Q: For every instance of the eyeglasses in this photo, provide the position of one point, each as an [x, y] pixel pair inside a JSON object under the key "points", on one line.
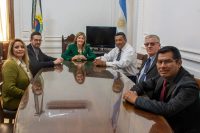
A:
{"points": [[166, 62], [150, 43], [37, 40]]}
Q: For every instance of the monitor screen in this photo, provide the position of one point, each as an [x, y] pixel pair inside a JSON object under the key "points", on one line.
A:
{"points": [[99, 36]]}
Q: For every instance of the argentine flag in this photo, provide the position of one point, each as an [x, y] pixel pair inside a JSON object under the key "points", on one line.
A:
{"points": [[37, 21], [122, 19]]}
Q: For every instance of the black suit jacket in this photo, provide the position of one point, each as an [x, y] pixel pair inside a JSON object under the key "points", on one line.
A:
{"points": [[181, 107], [44, 60]]}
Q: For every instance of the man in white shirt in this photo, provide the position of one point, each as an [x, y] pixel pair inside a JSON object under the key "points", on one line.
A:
{"points": [[121, 57]]}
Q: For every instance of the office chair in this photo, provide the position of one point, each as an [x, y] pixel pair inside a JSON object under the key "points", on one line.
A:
{"points": [[198, 82], [141, 58], [6, 128], [6, 113], [67, 41]]}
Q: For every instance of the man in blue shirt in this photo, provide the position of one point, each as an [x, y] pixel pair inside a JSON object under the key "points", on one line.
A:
{"points": [[148, 69]]}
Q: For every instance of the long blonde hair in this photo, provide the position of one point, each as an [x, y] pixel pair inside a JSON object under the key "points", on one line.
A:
{"points": [[11, 55]]}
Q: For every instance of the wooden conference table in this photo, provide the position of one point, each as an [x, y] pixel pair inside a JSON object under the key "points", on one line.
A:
{"points": [[57, 103]]}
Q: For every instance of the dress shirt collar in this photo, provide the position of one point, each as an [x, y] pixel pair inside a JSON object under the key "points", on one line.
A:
{"points": [[124, 47], [152, 59], [35, 49]]}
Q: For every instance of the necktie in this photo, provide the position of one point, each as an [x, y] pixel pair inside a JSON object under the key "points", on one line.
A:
{"points": [[147, 65], [162, 94], [119, 55], [37, 53]]}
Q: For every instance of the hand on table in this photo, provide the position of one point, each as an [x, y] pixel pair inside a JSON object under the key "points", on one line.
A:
{"points": [[130, 96]]}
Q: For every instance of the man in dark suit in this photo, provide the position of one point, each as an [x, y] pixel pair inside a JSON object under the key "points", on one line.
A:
{"points": [[37, 58], [148, 69], [175, 93]]}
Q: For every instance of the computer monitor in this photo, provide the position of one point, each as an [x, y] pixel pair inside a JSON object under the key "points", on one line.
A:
{"points": [[101, 36]]}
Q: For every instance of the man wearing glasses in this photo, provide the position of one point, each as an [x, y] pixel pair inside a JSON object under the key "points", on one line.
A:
{"points": [[37, 58], [148, 69], [175, 93]]}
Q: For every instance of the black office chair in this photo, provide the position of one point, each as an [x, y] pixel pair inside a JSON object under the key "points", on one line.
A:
{"points": [[6, 127], [7, 114], [10, 115]]}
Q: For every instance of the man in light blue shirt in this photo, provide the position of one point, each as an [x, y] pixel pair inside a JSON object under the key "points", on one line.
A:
{"points": [[148, 69]]}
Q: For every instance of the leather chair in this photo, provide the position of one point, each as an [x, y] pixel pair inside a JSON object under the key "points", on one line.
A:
{"points": [[7, 114], [6, 128], [141, 58], [198, 82], [10, 115], [67, 41], [1, 83]]}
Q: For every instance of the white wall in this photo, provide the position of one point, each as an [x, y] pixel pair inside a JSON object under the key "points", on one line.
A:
{"points": [[63, 17], [176, 22]]}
